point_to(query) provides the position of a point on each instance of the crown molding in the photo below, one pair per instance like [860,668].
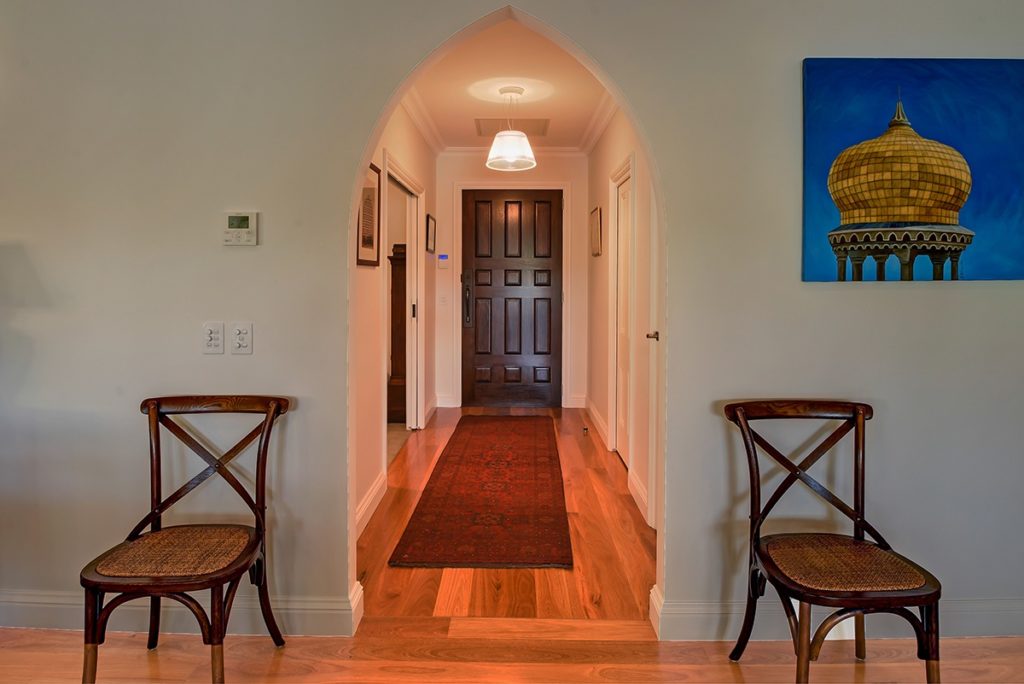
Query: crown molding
[473,151]
[413,105]
[599,121]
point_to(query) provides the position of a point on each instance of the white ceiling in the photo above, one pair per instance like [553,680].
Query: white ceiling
[449,96]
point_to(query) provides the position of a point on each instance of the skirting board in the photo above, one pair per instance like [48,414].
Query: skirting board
[639,491]
[598,422]
[306,615]
[720,621]
[366,507]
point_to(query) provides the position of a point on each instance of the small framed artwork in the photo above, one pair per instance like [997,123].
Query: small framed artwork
[431,234]
[595,232]
[368,223]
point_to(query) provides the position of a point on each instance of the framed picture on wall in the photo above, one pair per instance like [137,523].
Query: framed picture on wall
[595,232]
[431,234]
[368,223]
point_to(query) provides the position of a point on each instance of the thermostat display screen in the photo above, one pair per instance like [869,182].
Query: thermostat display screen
[238,223]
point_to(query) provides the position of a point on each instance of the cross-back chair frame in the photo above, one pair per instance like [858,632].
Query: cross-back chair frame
[224,583]
[852,417]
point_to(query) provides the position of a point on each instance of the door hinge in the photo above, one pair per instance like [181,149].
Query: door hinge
[414,311]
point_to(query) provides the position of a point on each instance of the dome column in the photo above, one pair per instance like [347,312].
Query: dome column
[906,257]
[954,266]
[857,260]
[938,264]
[841,267]
[880,260]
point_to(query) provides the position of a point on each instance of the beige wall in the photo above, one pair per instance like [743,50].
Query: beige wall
[619,145]
[466,169]
[128,128]
[370,318]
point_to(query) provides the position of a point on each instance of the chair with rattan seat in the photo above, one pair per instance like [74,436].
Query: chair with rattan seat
[169,562]
[850,573]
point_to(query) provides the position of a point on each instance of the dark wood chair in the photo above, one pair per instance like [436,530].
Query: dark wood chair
[850,573]
[169,562]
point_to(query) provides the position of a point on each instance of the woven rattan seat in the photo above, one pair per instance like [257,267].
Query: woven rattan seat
[186,550]
[834,562]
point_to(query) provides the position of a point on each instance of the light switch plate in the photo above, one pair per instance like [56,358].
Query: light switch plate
[213,337]
[241,337]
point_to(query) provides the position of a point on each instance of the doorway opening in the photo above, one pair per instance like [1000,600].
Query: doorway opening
[516,319]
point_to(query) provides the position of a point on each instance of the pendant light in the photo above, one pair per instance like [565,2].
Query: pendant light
[511,149]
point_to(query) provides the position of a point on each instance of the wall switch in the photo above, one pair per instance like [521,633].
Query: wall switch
[213,337]
[241,337]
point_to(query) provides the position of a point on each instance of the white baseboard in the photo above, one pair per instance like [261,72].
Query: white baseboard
[429,413]
[296,615]
[355,599]
[447,401]
[576,401]
[639,491]
[598,421]
[657,606]
[366,507]
[715,621]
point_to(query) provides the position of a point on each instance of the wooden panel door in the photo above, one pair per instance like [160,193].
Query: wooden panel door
[511,298]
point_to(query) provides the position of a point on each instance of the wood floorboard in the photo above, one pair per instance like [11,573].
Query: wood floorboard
[406,650]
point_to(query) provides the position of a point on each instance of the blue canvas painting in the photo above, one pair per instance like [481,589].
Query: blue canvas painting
[913,169]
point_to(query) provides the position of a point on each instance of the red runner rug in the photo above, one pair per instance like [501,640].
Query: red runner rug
[494,500]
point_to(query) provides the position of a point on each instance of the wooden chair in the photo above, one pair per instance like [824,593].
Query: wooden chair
[168,562]
[850,573]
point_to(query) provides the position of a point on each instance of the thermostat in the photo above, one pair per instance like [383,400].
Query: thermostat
[241,228]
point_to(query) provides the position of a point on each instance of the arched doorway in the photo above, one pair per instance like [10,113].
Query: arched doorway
[618,232]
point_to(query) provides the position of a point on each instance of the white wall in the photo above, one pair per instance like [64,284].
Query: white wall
[616,146]
[467,169]
[128,128]
[371,322]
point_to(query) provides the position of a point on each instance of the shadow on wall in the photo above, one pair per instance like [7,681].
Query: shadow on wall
[20,289]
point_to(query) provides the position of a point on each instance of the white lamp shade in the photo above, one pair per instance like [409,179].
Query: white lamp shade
[511,151]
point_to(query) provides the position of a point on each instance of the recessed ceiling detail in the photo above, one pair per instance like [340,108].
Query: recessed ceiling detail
[534,128]
[489,89]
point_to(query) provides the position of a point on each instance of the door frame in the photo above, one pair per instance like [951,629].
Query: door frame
[415,344]
[568,337]
[626,170]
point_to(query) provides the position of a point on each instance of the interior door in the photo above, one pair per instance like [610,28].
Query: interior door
[624,235]
[511,298]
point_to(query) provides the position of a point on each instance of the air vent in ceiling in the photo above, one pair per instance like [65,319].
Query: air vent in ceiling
[532,127]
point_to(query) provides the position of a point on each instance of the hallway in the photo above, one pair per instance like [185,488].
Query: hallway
[613,548]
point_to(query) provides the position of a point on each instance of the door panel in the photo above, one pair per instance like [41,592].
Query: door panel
[624,235]
[512,298]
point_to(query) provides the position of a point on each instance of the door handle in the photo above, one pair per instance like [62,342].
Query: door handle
[467,302]
[653,335]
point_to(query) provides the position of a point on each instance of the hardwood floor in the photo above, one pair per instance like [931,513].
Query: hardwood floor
[400,650]
[613,548]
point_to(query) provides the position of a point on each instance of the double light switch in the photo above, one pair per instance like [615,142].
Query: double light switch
[239,339]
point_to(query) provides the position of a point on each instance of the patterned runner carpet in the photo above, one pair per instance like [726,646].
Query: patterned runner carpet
[494,500]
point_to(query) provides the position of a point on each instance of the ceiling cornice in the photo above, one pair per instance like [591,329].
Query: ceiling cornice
[599,121]
[421,118]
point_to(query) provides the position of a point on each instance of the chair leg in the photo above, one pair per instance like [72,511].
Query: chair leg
[858,626]
[931,635]
[92,614]
[217,663]
[154,622]
[268,613]
[754,590]
[803,640]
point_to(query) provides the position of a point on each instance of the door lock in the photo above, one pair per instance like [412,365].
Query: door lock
[653,335]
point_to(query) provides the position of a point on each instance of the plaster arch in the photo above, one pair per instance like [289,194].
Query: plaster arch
[548,31]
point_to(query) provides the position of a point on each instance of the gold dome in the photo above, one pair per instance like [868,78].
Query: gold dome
[899,177]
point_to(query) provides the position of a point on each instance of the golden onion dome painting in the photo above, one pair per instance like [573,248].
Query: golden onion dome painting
[913,169]
[899,194]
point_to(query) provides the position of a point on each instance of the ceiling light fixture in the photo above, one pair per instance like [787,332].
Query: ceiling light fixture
[511,149]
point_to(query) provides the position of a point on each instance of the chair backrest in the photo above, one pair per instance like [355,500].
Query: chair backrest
[160,410]
[852,416]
